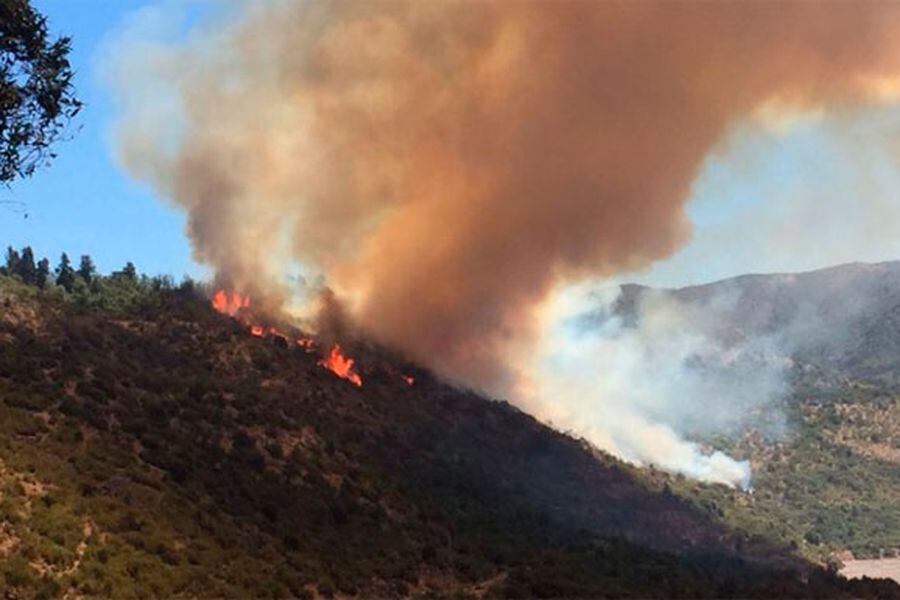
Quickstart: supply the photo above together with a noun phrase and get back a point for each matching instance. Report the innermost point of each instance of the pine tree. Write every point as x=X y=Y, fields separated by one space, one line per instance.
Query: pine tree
x=12 y=261
x=86 y=269
x=26 y=269
x=42 y=274
x=65 y=275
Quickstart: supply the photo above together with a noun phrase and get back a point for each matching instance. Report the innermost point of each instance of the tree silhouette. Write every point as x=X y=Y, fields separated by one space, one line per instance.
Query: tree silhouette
x=65 y=275
x=42 y=274
x=130 y=271
x=36 y=94
x=86 y=269
x=27 y=269
x=12 y=261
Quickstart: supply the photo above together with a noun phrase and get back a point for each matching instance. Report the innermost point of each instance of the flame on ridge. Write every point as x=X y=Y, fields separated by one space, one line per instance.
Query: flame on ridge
x=340 y=365
x=229 y=304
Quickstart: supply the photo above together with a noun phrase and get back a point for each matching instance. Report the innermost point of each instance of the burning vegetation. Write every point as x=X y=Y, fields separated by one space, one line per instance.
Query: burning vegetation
x=340 y=365
x=229 y=304
x=233 y=303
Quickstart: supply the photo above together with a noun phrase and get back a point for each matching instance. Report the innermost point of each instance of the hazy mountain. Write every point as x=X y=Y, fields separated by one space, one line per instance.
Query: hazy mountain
x=845 y=317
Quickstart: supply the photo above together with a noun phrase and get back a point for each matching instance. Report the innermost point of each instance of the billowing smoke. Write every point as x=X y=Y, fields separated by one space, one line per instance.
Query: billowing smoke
x=445 y=166
x=636 y=380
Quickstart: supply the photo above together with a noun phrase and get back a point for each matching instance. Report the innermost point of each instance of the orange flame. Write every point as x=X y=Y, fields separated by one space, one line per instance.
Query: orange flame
x=340 y=365
x=409 y=379
x=305 y=343
x=229 y=305
x=257 y=330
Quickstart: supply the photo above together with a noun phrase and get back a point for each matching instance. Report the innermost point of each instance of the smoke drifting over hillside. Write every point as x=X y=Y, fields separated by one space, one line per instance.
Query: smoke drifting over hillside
x=636 y=382
x=446 y=166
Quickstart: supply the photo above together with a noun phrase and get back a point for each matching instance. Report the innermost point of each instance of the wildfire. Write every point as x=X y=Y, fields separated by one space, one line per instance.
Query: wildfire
x=340 y=365
x=229 y=305
x=409 y=379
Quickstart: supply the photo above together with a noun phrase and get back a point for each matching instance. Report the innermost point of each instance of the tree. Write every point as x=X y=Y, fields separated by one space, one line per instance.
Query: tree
x=37 y=98
x=130 y=271
x=27 y=269
x=65 y=275
x=86 y=269
x=12 y=261
x=42 y=274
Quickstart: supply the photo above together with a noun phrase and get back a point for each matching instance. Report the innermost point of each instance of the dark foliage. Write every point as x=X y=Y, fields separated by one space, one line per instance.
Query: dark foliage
x=86 y=269
x=27 y=270
x=36 y=95
x=65 y=274
x=12 y=261
x=42 y=273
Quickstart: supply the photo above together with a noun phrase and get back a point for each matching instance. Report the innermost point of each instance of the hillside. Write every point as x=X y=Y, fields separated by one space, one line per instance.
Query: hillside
x=830 y=481
x=150 y=446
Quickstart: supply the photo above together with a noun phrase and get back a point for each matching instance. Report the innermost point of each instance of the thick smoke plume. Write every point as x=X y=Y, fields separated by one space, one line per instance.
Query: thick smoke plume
x=447 y=165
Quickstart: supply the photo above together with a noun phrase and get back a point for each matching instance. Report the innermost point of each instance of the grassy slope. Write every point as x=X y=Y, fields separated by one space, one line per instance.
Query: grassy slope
x=159 y=450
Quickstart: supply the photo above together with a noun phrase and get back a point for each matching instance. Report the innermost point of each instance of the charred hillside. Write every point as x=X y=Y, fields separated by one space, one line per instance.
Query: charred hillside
x=154 y=447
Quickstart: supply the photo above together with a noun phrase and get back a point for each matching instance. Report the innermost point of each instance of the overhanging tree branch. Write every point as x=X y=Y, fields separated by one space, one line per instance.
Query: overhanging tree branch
x=37 y=98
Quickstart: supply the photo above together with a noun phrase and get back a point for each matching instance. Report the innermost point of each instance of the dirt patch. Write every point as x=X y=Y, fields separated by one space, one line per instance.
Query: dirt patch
x=34 y=489
x=8 y=540
x=877 y=567
x=20 y=309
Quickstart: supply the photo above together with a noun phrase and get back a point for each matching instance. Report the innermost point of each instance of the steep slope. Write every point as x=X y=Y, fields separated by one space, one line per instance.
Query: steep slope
x=162 y=450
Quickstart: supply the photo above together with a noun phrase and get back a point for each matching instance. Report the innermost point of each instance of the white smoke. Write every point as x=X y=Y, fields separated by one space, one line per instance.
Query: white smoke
x=638 y=388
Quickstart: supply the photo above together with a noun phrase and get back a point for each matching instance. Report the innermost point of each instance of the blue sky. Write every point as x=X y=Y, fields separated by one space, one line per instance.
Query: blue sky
x=818 y=192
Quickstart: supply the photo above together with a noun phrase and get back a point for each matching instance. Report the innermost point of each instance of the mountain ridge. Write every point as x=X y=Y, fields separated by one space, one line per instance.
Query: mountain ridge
x=827 y=317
